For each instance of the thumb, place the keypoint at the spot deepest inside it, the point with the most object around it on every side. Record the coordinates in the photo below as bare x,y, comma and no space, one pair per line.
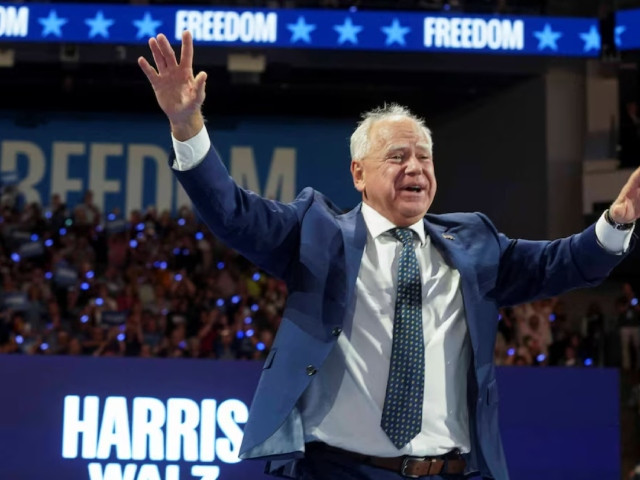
618,212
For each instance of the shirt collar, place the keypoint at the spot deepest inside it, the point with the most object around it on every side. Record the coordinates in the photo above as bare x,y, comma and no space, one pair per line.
377,224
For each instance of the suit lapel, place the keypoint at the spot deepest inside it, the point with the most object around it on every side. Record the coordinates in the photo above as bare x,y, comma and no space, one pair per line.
354,234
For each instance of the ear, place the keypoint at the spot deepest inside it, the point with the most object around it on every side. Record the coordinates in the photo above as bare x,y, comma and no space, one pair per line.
357,172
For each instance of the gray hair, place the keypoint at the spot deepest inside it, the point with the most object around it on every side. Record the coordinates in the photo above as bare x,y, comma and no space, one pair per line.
360,138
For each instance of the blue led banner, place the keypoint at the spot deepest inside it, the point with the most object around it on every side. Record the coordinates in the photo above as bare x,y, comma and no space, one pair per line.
303,29
627,29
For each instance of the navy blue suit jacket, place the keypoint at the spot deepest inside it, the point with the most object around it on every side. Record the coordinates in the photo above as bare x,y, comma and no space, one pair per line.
317,249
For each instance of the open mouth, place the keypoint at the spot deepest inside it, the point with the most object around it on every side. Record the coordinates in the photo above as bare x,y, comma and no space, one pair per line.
414,188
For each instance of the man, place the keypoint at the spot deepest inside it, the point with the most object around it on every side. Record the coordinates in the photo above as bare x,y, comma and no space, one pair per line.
382,367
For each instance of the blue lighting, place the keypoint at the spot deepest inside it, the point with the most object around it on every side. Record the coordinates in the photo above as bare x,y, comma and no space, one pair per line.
178,277
220,265
220,302
182,345
89,274
48,275
19,339
84,286
235,299
499,317
248,320
511,352
140,227
240,334
163,265
68,222
15,257
254,307
199,235
552,317
48,242
133,243
256,277
540,358
98,228
181,221
250,332
260,346
634,301
48,215
176,251
588,362
185,251
62,231
99,301
44,346
34,237
140,235
84,318
111,217
121,337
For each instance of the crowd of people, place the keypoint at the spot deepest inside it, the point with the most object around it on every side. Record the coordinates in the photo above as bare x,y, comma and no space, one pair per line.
77,281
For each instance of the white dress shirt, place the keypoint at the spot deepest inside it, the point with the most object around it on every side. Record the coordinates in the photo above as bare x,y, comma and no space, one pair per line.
343,404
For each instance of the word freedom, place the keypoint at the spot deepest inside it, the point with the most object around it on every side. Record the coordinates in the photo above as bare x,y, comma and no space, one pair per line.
228,26
14,22
473,33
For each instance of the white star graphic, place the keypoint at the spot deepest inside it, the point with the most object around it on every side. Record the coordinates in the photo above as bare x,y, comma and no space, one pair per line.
52,24
395,33
620,29
547,38
348,31
147,26
591,39
301,30
99,25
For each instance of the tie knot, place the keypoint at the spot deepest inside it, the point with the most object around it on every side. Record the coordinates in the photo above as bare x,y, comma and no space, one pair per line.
405,235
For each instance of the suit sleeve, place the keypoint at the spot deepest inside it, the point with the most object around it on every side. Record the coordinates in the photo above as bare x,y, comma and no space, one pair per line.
529,270
265,231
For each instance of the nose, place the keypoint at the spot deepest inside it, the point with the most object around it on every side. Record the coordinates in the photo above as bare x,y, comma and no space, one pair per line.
413,166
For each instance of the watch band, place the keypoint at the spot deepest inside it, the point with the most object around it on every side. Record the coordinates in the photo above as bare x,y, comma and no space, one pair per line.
616,225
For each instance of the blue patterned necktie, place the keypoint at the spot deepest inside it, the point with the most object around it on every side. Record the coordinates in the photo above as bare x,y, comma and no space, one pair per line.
402,412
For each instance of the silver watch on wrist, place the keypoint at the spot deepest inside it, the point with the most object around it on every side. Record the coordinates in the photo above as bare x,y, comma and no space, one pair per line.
616,225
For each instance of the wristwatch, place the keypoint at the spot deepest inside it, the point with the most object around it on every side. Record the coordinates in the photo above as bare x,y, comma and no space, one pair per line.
616,225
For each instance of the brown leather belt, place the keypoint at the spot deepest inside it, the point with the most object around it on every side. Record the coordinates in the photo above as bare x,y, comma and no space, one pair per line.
451,463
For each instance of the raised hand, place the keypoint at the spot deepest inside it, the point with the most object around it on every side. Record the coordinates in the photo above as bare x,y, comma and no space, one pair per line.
626,208
180,95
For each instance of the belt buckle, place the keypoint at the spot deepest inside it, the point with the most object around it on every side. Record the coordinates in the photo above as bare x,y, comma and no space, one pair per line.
405,464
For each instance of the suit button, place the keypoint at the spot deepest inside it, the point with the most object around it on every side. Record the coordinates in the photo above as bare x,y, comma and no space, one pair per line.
311,370
336,331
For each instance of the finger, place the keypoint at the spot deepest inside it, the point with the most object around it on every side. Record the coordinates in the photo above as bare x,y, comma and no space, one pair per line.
186,55
167,51
200,82
148,70
161,64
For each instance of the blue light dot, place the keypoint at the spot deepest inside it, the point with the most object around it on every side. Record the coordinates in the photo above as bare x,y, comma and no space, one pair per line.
248,320
62,231
34,237
220,302
511,352
235,299
220,265
163,265
111,217
15,257
48,275
182,344
121,337
133,243
540,358
178,277
181,221
99,301
499,317
260,346
84,318
240,334
122,328
256,277
552,317
634,301
19,339
84,286
254,307
48,242
68,222
44,346
176,251
156,264
98,228
588,362
199,235
250,332
89,274
48,215
140,227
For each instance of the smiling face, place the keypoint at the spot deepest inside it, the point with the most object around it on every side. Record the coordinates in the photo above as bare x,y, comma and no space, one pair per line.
396,175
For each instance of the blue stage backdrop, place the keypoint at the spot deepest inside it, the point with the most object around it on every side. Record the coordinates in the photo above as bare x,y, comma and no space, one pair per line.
124,159
453,32
160,419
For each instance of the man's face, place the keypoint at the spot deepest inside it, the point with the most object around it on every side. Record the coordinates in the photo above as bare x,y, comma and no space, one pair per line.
396,176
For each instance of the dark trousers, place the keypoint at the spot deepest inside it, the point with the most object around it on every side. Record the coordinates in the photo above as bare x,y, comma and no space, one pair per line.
324,465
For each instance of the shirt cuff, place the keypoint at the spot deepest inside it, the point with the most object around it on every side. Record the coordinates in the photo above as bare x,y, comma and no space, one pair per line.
191,152
612,240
